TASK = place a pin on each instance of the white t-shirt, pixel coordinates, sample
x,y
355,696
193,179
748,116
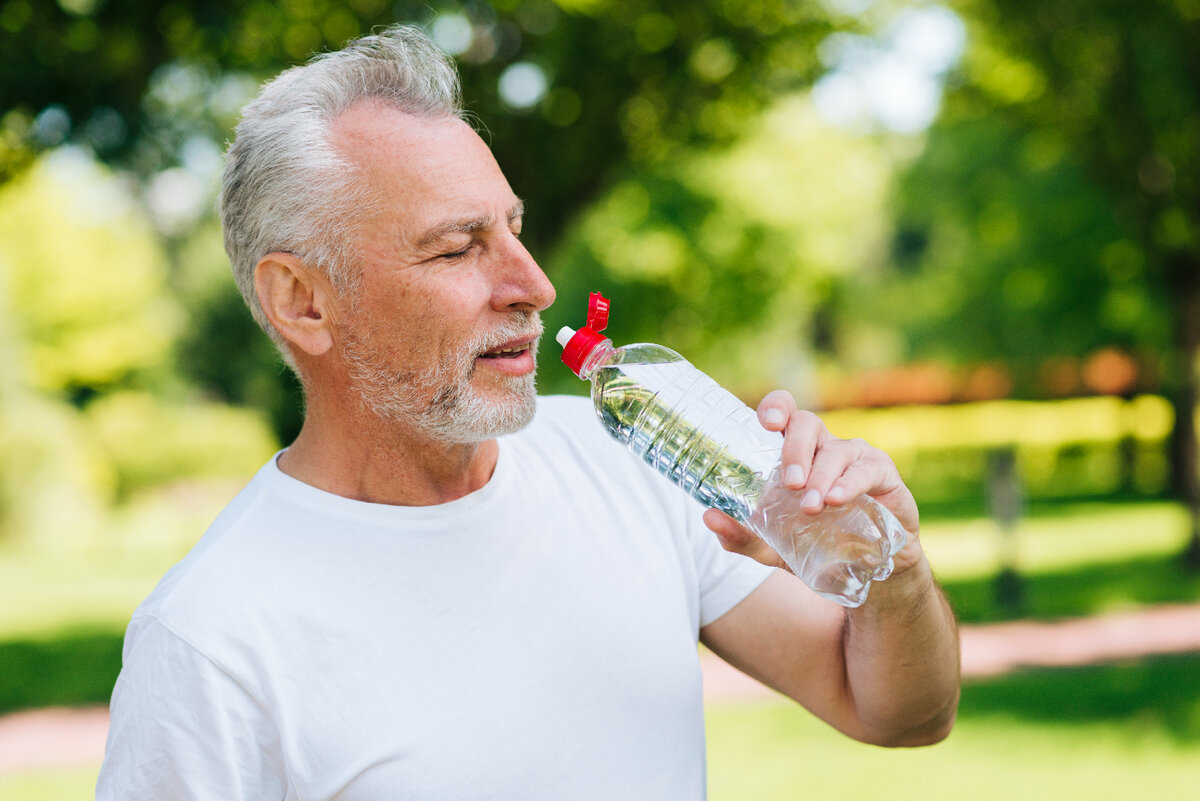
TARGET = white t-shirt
x,y
535,639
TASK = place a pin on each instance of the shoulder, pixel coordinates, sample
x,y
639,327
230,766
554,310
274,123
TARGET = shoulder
x,y
226,568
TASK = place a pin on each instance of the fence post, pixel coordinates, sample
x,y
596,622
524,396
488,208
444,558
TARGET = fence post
x,y
1006,500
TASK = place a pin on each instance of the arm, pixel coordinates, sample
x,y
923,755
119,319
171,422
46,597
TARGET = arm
x,y
885,673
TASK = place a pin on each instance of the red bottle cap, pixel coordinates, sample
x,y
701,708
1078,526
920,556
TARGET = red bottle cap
x,y
585,340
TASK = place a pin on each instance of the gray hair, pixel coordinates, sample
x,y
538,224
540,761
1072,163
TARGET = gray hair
x,y
287,188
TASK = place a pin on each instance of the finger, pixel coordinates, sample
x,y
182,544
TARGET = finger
x,y
903,505
872,473
831,461
802,439
736,538
775,408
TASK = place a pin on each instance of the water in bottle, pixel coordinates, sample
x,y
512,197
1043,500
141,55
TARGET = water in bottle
x,y
700,436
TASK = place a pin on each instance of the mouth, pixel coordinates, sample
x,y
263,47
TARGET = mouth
x,y
509,352
514,358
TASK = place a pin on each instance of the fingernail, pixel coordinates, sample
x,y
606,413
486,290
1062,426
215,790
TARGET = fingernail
x,y
794,476
811,498
775,417
835,495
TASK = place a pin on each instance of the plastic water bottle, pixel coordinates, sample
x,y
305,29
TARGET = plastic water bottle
x,y
704,439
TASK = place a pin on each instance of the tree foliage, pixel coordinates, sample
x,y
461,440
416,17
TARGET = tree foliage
x,y
1119,85
1069,195
90,408
730,255
1007,251
613,84
622,80
85,277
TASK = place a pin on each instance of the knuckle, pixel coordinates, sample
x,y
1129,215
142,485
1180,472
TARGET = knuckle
x,y
803,418
845,447
878,455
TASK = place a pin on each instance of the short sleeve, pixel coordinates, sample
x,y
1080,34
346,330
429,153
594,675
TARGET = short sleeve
x,y
724,578
181,728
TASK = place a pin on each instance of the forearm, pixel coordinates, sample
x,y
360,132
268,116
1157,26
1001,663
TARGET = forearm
x,y
886,672
902,660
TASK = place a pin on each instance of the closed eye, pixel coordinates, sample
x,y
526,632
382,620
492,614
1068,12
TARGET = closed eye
x,y
457,254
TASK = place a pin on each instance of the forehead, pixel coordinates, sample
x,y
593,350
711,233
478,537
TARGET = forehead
x,y
423,166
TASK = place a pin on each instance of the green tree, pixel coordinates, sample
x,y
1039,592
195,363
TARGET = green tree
x,y
85,348
1122,83
1006,251
569,91
87,278
1063,180
730,255
608,81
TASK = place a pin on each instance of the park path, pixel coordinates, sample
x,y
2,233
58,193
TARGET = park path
x,y
998,648
53,738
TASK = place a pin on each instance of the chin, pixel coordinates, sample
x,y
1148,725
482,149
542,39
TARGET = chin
x,y
476,419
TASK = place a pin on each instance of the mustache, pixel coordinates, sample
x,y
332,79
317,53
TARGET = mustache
x,y
523,325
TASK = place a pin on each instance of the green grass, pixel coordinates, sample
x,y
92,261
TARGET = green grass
x,y
44,593
72,668
1057,536
1104,733
71,784
47,586
1080,558
1074,560
62,614
1101,733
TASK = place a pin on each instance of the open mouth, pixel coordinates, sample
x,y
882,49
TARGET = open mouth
x,y
506,353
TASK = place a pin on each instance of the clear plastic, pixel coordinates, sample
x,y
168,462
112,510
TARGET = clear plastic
x,y
694,432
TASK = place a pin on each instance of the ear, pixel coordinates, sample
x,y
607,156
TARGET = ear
x,y
296,299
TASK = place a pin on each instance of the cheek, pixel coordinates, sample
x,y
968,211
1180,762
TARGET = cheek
x,y
434,314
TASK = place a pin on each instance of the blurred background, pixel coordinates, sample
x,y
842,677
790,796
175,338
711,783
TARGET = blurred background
x,y
968,232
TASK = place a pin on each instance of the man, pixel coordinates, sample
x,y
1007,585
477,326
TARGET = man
x,y
412,600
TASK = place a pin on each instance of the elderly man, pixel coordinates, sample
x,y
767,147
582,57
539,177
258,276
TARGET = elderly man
x,y
447,587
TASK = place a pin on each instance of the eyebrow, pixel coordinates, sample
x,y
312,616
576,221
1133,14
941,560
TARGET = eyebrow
x,y
470,226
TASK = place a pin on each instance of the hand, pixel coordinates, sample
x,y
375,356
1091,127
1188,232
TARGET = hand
x,y
827,470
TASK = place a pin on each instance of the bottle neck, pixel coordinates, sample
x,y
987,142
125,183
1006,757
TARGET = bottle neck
x,y
599,356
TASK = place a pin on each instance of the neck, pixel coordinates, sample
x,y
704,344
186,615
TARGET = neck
x,y
367,458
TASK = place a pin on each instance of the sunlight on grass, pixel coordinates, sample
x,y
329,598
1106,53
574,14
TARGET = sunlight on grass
x,y
1101,732
64,784
48,588
44,593
99,587
1071,535
778,752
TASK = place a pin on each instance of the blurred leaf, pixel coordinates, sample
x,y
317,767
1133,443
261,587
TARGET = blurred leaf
x,y
726,255
152,443
1008,251
85,274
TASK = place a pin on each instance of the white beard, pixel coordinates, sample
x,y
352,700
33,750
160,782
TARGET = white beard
x,y
438,400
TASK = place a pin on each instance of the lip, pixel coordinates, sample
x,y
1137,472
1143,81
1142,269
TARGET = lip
x,y
521,364
525,341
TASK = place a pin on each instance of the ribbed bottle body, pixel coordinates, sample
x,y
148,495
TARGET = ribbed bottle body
x,y
687,427
703,438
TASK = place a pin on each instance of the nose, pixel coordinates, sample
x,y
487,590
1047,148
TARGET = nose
x,y
521,284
